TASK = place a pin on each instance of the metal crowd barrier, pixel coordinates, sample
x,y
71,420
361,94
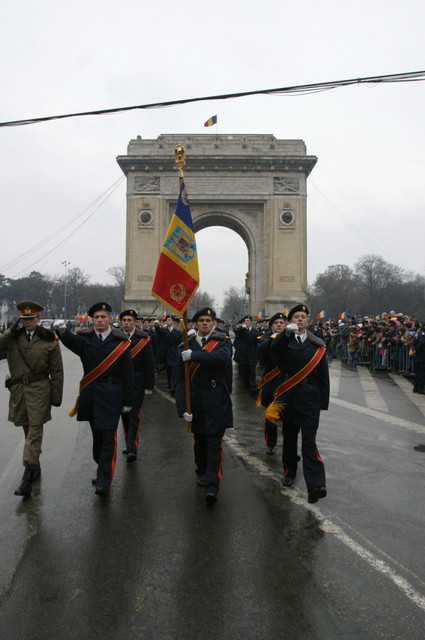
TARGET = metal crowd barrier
x,y
393,358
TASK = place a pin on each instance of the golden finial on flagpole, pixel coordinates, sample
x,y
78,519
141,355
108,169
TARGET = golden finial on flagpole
x,y
180,158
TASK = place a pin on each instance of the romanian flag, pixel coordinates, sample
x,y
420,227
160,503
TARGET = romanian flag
x,y
211,121
322,314
343,315
177,274
261,314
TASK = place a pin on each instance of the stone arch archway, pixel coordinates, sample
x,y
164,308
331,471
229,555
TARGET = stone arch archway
x,y
252,184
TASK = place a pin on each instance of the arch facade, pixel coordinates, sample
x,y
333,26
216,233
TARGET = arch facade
x,y
254,184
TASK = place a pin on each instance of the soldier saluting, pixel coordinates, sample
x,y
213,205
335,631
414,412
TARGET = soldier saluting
x,y
106,390
36,383
144,377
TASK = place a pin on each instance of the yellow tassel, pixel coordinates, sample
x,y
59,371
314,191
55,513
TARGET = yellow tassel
x,y
258,400
273,411
75,408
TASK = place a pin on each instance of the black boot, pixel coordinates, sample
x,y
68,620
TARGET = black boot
x,y
25,487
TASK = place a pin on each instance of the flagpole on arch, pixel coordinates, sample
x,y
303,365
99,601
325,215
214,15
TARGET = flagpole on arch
x,y
180,160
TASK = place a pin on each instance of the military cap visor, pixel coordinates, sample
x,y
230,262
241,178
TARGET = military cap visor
x,y
206,311
277,316
298,307
99,306
129,312
29,309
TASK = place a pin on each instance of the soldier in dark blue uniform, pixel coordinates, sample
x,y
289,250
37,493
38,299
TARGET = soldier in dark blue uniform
x,y
209,355
300,356
247,353
144,378
170,336
269,368
419,347
107,387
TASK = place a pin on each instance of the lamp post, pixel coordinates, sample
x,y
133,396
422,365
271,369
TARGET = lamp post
x,y
65,264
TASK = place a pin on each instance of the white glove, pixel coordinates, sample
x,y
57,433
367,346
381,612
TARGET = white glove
x,y
186,355
191,333
188,416
59,325
290,328
156,321
244,326
148,392
126,410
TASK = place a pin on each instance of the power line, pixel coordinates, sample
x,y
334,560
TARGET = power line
x,y
411,76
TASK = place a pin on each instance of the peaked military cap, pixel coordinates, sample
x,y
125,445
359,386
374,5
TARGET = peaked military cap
x,y
129,312
99,306
277,316
298,307
246,318
29,309
206,311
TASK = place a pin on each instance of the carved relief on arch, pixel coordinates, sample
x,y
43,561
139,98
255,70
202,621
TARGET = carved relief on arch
x,y
286,185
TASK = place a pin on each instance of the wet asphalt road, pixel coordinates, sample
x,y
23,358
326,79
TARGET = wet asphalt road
x,y
153,563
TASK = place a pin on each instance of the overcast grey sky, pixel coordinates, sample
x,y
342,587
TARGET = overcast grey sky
x,y
365,194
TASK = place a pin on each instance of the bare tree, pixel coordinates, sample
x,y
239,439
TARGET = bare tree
x,y
235,304
334,289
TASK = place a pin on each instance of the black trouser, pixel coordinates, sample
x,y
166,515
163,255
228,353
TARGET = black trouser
x,y
270,433
105,455
131,423
419,379
208,452
313,467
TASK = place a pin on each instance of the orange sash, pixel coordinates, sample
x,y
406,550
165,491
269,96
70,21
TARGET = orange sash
x,y
302,373
99,369
139,346
269,376
209,346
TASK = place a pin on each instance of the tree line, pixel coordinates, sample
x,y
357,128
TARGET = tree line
x,y
372,286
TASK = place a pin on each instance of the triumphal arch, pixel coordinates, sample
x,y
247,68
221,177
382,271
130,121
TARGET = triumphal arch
x,y
254,184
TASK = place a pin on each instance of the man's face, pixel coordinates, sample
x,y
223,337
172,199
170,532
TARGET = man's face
x,y
248,322
301,320
30,323
278,325
101,321
169,322
204,325
128,323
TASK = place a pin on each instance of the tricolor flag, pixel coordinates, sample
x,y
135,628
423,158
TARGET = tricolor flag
x,y
322,314
177,275
343,315
261,314
211,121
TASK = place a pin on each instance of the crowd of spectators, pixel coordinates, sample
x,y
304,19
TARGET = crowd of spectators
x,y
385,342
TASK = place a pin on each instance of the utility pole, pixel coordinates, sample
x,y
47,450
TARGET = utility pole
x,y
65,264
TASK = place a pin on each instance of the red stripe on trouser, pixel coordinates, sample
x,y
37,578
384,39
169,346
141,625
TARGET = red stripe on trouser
x,y
114,459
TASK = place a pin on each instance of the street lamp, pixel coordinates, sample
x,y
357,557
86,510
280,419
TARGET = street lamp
x,y
65,264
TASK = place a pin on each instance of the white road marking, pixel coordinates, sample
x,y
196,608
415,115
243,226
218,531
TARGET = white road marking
x,y
373,396
296,496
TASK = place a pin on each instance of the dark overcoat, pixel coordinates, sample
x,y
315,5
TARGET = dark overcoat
x,y
169,345
102,400
268,363
209,387
302,403
143,364
247,345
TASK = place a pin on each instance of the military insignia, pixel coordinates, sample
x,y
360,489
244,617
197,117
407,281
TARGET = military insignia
x,y
177,292
181,245
184,197
27,310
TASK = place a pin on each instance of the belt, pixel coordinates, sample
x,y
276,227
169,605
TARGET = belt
x,y
27,379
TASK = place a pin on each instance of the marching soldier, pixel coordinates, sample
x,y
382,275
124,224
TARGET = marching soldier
x,y
144,376
271,376
106,390
36,383
170,336
209,354
247,358
304,393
